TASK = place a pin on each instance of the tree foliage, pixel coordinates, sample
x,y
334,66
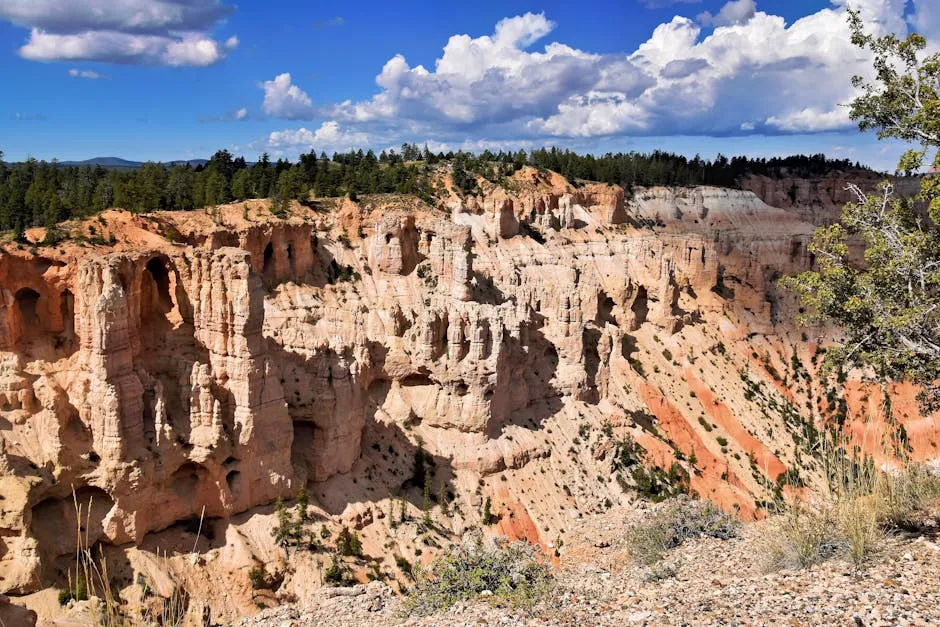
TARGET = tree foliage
x,y
36,193
902,102
886,299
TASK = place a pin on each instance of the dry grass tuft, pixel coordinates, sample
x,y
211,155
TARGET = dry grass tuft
x,y
90,581
861,507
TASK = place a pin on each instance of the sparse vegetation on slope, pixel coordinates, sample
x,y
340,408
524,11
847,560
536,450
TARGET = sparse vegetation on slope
x,y
511,573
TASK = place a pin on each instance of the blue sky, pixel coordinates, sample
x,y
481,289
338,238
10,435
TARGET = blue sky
x,y
173,79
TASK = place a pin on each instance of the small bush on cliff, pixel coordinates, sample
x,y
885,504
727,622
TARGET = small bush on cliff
x,y
284,531
672,523
303,504
509,573
627,453
656,484
256,577
488,517
77,590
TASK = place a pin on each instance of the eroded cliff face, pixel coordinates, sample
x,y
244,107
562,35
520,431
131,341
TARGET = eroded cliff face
x,y
210,363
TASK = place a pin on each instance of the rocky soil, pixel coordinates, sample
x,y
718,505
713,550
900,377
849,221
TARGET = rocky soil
x,y
717,583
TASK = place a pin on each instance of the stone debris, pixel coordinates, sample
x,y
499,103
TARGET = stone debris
x,y
718,582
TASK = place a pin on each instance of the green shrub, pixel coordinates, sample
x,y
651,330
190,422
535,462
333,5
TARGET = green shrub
x,y
172,235
54,237
256,577
404,565
673,522
656,484
65,595
78,588
514,573
637,366
627,453
488,517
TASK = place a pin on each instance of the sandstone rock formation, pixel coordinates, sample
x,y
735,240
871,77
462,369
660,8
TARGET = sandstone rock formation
x,y
210,363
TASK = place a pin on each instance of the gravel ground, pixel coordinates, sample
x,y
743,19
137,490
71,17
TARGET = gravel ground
x,y
716,583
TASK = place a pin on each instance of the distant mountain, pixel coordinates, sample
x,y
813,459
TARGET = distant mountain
x,y
104,162
117,163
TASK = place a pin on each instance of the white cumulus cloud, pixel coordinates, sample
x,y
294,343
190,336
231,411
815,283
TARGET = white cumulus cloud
x,y
749,72
330,136
810,120
147,32
283,99
734,12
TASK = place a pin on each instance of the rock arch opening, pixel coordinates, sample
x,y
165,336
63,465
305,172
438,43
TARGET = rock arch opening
x,y
160,276
27,304
32,328
55,520
234,481
640,307
267,268
605,310
304,447
158,307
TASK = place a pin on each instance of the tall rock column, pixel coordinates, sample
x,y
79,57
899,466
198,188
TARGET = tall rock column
x,y
113,407
228,314
461,267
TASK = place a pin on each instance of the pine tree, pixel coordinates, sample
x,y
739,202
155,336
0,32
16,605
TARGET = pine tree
x,y
888,307
427,498
282,531
487,512
303,503
442,499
